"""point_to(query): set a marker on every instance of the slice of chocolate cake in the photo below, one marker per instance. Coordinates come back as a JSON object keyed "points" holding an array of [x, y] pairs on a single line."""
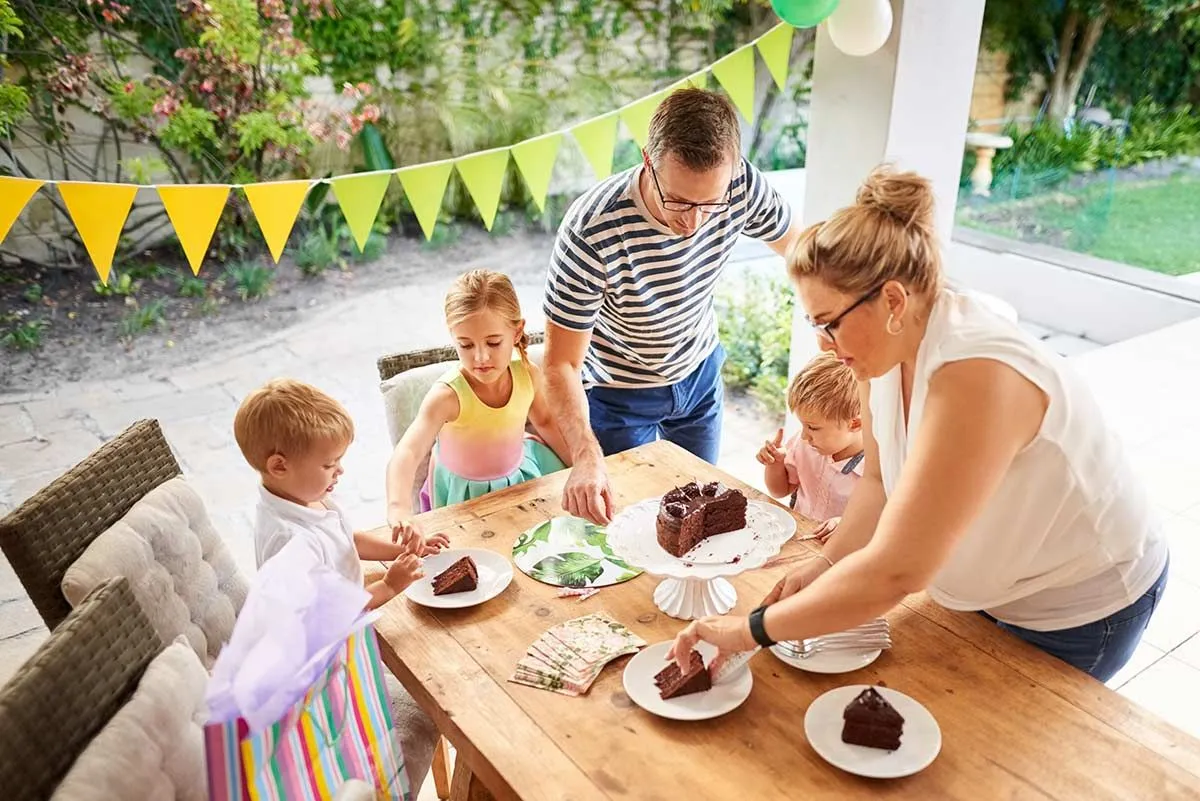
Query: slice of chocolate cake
{"points": [[690, 513], [462, 576], [871, 721], [672, 682]]}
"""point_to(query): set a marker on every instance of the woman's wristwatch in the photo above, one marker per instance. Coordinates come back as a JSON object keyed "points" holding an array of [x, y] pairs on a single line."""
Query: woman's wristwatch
{"points": [[757, 631]]}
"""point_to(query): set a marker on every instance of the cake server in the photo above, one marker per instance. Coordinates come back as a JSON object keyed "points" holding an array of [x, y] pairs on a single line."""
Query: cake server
{"points": [[734, 663]]}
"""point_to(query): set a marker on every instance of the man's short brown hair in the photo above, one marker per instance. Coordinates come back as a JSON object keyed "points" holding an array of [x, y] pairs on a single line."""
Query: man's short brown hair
{"points": [[826, 387], [698, 127], [288, 417]]}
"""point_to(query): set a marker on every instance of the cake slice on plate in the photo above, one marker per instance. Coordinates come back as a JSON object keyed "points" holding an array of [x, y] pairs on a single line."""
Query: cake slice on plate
{"points": [[462, 576], [691, 513], [871, 721], [673, 682]]}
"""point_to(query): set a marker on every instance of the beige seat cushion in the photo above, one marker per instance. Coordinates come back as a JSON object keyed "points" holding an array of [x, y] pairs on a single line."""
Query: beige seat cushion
{"points": [[181, 573], [153, 748], [402, 397]]}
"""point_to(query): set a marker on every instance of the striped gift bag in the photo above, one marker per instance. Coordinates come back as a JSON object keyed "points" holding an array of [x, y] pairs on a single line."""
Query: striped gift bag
{"points": [[340, 730]]}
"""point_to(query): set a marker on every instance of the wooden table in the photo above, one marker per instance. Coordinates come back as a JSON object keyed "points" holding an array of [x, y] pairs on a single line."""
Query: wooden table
{"points": [[1015, 722]]}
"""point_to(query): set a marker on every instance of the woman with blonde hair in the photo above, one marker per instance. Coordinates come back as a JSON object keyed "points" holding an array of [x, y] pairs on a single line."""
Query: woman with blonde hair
{"points": [[474, 417], [991, 479]]}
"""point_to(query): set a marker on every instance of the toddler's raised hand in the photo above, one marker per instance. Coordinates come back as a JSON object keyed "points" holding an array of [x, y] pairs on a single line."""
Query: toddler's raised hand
{"points": [[403, 572], [432, 544], [770, 452]]}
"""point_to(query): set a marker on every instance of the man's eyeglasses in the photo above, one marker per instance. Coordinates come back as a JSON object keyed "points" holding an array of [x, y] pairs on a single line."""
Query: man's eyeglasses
{"points": [[825, 330], [683, 205]]}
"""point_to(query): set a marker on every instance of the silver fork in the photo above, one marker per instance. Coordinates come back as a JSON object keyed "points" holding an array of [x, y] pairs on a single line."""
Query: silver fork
{"points": [[807, 648]]}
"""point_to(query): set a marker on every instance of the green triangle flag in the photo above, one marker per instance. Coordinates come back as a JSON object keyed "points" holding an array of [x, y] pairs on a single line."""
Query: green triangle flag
{"points": [[483, 173], [359, 197], [697, 79], [736, 74], [637, 116], [775, 47], [535, 159], [598, 139], [425, 186]]}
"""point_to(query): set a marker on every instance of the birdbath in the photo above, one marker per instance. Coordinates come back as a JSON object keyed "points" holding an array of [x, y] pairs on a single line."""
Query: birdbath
{"points": [[985, 146]]}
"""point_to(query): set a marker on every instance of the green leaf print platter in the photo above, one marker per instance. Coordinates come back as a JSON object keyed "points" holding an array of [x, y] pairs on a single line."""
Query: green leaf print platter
{"points": [[570, 552]]}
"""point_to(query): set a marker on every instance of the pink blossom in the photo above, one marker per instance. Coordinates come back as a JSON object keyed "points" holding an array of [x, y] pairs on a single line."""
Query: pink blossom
{"points": [[343, 140], [206, 85], [370, 112]]}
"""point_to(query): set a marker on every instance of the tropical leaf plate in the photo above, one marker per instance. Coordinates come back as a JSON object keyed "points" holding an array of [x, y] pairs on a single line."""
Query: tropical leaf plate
{"points": [[570, 552]]}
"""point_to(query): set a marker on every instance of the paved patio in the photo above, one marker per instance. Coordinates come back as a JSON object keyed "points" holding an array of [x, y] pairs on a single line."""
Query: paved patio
{"points": [[1146, 384]]}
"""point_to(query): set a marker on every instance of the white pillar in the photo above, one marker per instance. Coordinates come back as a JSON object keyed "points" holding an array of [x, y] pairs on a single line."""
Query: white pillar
{"points": [[907, 103]]}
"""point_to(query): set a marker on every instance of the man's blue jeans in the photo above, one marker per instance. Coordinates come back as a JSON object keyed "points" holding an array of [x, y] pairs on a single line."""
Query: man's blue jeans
{"points": [[688, 413]]}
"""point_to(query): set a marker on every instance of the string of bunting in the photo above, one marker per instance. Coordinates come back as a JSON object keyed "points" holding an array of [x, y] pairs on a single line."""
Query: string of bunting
{"points": [[99, 210]]}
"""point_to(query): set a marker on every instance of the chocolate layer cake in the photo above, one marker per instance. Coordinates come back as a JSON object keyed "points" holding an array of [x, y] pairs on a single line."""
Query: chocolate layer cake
{"points": [[692, 512], [871, 721], [462, 576], [672, 682]]}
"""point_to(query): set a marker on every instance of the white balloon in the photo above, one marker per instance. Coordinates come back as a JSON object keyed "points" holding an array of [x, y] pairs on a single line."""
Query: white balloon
{"points": [[860, 27]]}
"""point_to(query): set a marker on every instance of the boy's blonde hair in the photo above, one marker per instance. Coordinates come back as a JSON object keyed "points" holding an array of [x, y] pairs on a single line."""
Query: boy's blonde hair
{"points": [[288, 417], [826, 387], [477, 290]]}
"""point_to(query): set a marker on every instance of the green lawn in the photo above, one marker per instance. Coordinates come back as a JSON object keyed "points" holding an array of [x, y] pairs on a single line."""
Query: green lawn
{"points": [[1154, 225]]}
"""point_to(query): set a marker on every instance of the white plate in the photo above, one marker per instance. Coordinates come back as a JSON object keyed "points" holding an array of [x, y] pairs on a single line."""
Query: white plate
{"points": [[836, 661], [495, 573], [725, 696], [919, 743]]}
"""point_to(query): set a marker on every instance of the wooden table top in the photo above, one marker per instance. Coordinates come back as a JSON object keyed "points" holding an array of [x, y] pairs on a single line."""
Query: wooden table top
{"points": [[1016, 723]]}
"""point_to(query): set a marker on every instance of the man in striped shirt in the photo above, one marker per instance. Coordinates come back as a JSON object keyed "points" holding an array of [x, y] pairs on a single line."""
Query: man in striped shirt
{"points": [[631, 335]]}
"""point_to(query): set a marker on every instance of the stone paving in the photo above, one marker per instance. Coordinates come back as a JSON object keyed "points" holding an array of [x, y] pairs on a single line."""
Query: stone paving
{"points": [[1146, 384]]}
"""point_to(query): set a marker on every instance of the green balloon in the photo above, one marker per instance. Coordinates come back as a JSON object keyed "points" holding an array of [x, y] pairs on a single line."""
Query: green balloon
{"points": [[803, 13]]}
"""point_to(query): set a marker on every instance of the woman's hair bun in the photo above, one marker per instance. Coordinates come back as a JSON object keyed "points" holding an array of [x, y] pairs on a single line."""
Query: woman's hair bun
{"points": [[906, 197]]}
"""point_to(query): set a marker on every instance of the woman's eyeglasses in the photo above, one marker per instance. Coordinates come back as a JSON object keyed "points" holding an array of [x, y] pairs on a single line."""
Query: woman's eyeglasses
{"points": [[825, 330]]}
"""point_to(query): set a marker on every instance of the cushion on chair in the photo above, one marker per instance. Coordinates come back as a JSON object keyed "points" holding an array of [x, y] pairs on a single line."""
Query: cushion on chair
{"points": [[153, 748], [180, 570]]}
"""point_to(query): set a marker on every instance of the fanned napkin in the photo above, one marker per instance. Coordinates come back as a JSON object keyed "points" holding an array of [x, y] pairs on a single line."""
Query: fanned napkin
{"points": [[569, 657]]}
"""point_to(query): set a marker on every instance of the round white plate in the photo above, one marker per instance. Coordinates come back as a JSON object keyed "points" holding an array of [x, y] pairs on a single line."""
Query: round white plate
{"points": [[495, 573], [919, 743], [632, 535], [828, 661], [725, 696]]}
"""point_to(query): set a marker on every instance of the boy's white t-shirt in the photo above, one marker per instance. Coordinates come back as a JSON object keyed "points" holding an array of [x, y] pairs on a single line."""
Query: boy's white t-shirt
{"points": [[325, 532]]}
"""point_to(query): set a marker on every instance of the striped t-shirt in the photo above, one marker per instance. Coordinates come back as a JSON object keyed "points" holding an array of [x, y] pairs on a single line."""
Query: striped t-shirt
{"points": [[645, 293]]}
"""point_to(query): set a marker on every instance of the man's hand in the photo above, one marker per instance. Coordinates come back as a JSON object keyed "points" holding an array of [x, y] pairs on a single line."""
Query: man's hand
{"points": [[587, 493], [770, 452]]}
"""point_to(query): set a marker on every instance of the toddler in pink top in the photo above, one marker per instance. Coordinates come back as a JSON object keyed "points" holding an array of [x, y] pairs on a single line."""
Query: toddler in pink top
{"points": [[819, 466]]}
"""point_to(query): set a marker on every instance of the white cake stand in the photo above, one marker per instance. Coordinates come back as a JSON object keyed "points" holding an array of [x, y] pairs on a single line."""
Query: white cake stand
{"points": [[695, 584]]}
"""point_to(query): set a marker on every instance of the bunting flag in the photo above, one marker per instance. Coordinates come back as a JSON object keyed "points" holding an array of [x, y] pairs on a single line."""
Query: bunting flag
{"points": [[597, 138], [276, 206], [775, 47], [99, 212], [535, 159], [425, 186], [637, 116], [698, 80], [483, 173], [736, 74], [195, 210], [359, 197], [15, 194]]}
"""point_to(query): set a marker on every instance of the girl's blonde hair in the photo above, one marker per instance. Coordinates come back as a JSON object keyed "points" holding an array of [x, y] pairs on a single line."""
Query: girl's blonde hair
{"points": [[477, 290], [888, 233]]}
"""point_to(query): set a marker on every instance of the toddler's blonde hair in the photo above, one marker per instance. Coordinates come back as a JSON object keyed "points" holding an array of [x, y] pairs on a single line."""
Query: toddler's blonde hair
{"points": [[826, 387], [477, 290], [288, 417]]}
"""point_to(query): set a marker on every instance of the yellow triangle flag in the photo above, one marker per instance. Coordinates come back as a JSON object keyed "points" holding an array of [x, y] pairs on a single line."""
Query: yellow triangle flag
{"points": [[775, 47], [535, 160], [425, 186], [736, 74], [483, 173], [276, 206], [598, 139], [699, 80], [195, 210], [99, 212], [637, 116], [15, 194], [359, 197]]}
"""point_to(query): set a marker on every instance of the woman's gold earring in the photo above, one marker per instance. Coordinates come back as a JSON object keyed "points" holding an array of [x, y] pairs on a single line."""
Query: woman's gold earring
{"points": [[891, 319]]}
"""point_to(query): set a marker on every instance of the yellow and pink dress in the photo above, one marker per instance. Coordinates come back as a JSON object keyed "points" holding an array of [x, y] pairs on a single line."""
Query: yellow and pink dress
{"points": [[485, 448]]}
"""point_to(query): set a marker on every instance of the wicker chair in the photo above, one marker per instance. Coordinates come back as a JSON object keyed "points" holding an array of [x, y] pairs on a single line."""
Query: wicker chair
{"points": [[45, 535], [70, 688], [396, 363]]}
